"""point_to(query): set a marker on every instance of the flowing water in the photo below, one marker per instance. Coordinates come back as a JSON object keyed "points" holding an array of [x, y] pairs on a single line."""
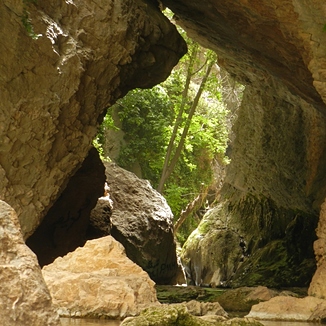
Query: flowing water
{"points": [[98, 322]]}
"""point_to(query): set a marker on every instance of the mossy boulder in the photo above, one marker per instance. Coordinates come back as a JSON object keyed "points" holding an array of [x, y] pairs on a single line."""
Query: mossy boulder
{"points": [[168, 315], [251, 242], [178, 315]]}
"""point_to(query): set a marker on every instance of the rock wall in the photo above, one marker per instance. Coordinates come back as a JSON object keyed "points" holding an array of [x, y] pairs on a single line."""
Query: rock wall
{"points": [[277, 49], [25, 299], [63, 63]]}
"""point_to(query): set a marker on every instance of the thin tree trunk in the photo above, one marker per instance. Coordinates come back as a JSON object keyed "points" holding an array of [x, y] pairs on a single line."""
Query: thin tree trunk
{"points": [[178, 119], [190, 208], [171, 165]]}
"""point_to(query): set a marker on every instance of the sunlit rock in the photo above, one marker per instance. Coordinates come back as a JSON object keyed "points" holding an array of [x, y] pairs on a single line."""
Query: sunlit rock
{"points": [[288, 308], [24, 297], [198, 308], [98, 280]]}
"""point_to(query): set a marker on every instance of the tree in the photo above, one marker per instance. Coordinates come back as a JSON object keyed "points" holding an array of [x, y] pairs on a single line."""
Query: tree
{"points": [[171, 158]]}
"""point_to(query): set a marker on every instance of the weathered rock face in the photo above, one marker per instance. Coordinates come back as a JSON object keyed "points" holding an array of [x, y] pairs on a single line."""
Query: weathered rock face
{"points": [[242, 246], [142, 221], [24, 297], [258, 40], [276, 178], [318, 287], [86, 56], [98, 280], [53, 98]]}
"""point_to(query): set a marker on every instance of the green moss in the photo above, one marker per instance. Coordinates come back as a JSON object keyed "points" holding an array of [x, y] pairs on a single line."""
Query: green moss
{"points": [[27, 21], [177, 294], [272, 266], [177, 315], [167, 315]]}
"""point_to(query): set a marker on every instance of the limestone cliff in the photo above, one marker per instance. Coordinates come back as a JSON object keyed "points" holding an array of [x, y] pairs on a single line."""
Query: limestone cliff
{"points": [[62, 64], [275, 183]]}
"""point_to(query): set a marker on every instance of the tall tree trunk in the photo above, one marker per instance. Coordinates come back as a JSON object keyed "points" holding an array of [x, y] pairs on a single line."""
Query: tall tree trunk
{"points": [[179, 117], [191, 207], [171, 163]]}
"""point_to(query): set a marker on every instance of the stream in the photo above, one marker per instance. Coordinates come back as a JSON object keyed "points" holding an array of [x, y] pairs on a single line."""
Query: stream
{"points": [[98, 322]]}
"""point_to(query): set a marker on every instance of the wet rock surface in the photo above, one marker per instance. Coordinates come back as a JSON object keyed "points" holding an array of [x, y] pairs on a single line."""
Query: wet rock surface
{"points": [[98, 280], [25, 299], [236, 302], [230, 248]]}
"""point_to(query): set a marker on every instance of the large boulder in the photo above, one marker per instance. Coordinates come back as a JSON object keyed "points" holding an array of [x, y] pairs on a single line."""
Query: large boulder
{"points": [[24, 297], [142, 221], [230, 247], [98, 280], [288, 308]]}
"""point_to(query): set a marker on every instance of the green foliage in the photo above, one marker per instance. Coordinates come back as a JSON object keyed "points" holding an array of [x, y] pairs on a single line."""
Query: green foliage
{"points": [[26, 20], [175, 196], [146, 117], [97, 144], [149, 118]]}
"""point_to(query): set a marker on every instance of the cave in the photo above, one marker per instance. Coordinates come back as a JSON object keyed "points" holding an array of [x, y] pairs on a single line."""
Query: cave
{"points": [[62, 70]]}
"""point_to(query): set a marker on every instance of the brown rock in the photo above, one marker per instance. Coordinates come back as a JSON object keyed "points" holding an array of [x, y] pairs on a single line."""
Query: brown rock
{"points": [[197, 308], [243, 298], [100, 219], [256, 40], [142, 221], [261, 293], [290, 309], [318, 285], [87, 55], [276, 180], [24, 297], [98, 280]]}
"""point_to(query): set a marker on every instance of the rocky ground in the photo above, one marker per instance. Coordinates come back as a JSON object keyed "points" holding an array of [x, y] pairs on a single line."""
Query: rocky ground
{"points": [[236, 302]]}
